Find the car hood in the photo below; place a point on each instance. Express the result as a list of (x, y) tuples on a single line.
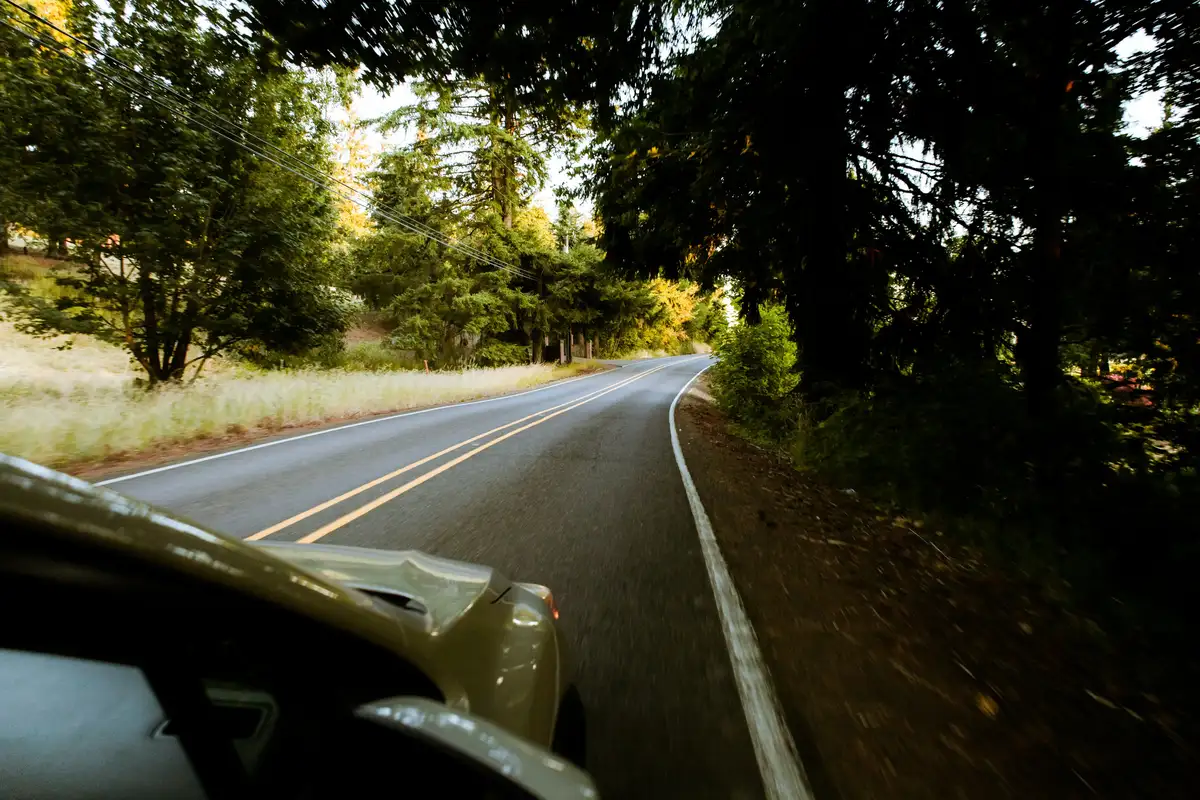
[(441, 589), (463, 625)]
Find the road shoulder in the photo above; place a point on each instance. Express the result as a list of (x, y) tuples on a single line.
[(906, 667)]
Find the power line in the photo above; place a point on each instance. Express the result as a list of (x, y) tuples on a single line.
[(410, 224), (283, 160)]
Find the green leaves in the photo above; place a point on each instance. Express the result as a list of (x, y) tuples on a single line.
[(547, 63)]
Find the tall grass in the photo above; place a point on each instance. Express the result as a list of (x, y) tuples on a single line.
[(61, 366), (17, 267), (63, 404), (56, 428)]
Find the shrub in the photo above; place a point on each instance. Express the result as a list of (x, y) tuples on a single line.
[(951, 443), (376, 357), (332, 353), (501, 354), (753, 381)]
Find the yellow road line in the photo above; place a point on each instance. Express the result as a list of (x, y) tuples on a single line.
[(367, 508), (317, 509)]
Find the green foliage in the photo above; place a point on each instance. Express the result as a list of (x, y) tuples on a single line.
[(568, 228), (955, 446), (333, 354), (532, 225), (664, 326), (373, 357), (497, 149), (501, 354), (754, 379), (183, 245), (708, 322), (449, 308), (545, 61), (443, 318)]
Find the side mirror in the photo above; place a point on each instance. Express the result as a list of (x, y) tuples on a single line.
[(509, 764)]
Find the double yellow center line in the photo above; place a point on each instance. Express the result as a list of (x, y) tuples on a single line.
[(538, 418)]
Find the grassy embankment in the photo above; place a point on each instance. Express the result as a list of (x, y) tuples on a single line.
[(65, 407)]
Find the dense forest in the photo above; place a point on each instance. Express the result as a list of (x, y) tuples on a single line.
[(206, 199), (963, 285)]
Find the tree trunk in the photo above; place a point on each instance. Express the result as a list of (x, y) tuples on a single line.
[(540, 337), (55, 244), (3, 235), (153, 352), (499, 153), (1037, 350), (177, 364), (1038, 346), (509, 201), (1091, 368), (752, 298), (823, 303)]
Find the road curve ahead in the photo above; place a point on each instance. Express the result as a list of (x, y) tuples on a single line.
[(574, 486)]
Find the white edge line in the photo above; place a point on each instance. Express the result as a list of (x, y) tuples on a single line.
[(782, 774), (324, 431)]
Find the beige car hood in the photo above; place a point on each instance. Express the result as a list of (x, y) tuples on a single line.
[(445, 589)]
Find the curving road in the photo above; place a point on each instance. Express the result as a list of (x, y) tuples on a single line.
[(574, 486)]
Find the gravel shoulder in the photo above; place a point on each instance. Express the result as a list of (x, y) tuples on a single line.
[(909, 667)]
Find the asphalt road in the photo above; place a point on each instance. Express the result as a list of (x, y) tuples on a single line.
[(588, 502)]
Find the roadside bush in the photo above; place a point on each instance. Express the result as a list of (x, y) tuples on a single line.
[(334, 354), (376, 357), (501, 354), (753, 381)]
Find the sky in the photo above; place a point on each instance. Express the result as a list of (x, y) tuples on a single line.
[(1142, 114)]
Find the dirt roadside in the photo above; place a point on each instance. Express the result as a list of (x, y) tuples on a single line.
[(909, 668)]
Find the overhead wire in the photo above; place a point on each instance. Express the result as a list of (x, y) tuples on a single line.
[(314, 174), (283, 159)]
